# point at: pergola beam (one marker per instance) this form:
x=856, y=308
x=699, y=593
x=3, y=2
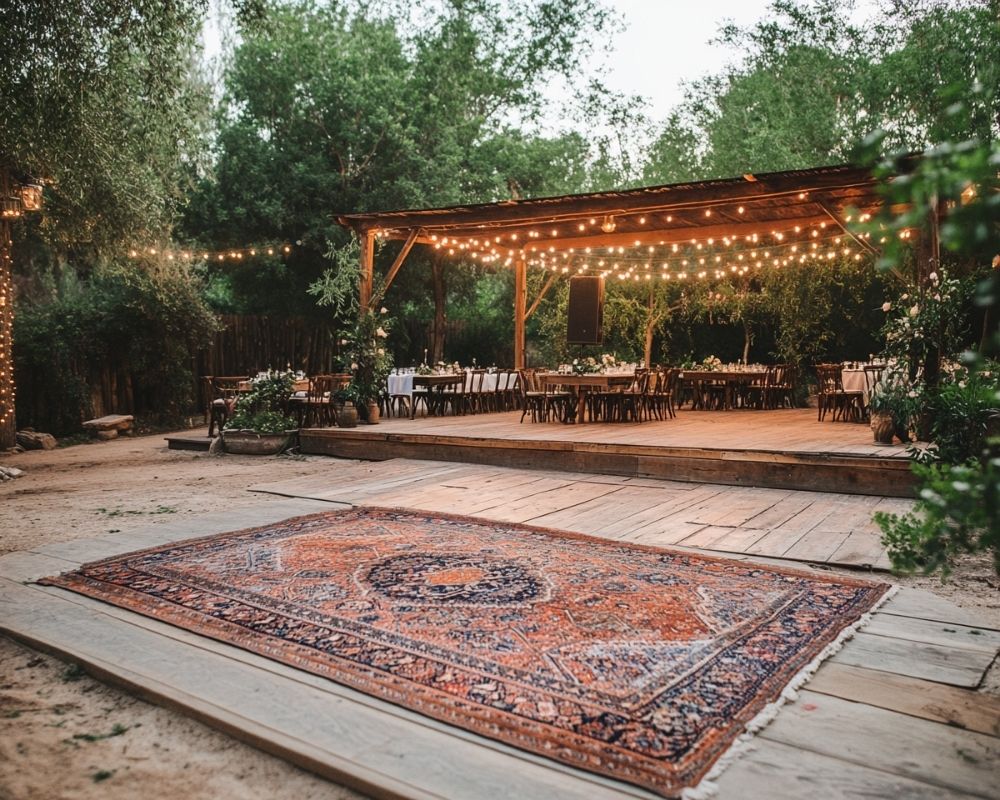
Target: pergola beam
x=541, y=295
x=397, y=264
x=842, y=224
x=666, y=198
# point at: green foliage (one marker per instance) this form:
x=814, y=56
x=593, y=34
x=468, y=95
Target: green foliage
x=961, y=411
x=137, y=323
x=370, y=360
x=262, y=409
x=957, y=512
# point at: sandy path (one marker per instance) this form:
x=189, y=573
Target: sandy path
x=55, y=724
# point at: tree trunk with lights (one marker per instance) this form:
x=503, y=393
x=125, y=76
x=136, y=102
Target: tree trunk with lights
x=7, y=422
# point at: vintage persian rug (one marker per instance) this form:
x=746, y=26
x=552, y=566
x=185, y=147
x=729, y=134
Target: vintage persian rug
x=634, y=662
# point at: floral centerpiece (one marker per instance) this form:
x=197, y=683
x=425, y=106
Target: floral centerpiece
x=585, y=366
x=370, y=361
x=711, y=363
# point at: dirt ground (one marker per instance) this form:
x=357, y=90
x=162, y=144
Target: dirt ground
x=64, y=735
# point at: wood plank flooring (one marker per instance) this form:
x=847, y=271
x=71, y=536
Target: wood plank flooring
x=793, y=430
x=815, y=527
x=868, y=725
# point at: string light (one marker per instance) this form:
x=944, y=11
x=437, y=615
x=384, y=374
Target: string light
x=194, y=255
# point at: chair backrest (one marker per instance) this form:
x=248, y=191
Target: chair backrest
x=829, y=378
x=475, y=382
x=670, y=377
x=641, y=385
x=509, y=381
x=527, y=380
x=873, y=374
x=322, y=387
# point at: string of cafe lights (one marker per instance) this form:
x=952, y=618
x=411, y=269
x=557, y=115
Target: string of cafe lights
x=704, y=257
x=7, y=393
x=198, y=254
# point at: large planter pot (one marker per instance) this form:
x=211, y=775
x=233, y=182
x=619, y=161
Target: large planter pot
x=883, y=427
x=373, y=413
x=251, y=443
x=347, y=417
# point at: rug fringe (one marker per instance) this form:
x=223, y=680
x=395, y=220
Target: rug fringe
x=707, y=788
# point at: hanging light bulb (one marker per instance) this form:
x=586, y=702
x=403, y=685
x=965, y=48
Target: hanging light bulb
x=609, y=225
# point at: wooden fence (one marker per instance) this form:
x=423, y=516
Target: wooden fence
x=247, y=344
x=243, y=346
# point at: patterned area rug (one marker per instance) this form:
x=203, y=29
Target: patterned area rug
x=637, y=663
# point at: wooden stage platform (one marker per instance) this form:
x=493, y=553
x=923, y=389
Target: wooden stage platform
x=783, y=449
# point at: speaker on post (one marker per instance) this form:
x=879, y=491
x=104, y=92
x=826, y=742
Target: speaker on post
x=585, y=318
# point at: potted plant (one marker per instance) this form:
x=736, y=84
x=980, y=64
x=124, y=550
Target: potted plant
x=891, y=407
x=370, y=361
x=259, y=424
x=345, y=401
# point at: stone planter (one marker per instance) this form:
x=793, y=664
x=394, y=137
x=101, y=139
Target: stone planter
x=251, y=443
x=883, y=427
x=347, y=417
x=373, y=413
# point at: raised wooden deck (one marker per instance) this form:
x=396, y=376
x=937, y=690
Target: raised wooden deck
x=894, y=714
x=785, y=449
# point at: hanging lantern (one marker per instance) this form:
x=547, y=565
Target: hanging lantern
x=10, y=207
x=31, y=196
x=609, y=225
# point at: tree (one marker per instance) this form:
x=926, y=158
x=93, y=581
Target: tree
x=350, y=108
x=99, y=102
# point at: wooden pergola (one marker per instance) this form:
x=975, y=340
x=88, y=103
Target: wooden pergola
x=738, y=224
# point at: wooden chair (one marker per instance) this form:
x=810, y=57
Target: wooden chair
x=317, y=410
x=634, y=400
x=781, y=385
x=662, y=393
x=830, y=394
x=532, y=400
x=222, y=393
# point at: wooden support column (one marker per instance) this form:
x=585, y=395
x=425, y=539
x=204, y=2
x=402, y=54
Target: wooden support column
x=928, y=261
x=366, y=276
x=520, y=303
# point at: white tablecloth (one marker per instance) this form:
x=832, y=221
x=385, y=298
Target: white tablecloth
x=853, y=380
x=403, y=384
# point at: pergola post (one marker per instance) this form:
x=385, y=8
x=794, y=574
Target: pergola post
x=520, y=308
x=366, y=276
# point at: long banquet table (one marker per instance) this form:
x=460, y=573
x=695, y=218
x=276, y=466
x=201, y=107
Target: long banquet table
x=581, y=383
x=730, y=378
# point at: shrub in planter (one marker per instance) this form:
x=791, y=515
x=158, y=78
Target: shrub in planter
x=263, y=407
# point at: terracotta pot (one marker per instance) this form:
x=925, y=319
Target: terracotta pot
x=883, y=426
x=347, y=417
x=251, y=443
x=373, y=413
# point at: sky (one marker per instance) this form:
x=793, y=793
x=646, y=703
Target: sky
x=662, y=45
x=666, y=43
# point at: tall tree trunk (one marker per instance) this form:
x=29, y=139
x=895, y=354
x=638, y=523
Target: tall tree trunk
x=747, y=341
x=440, y=295
x=647, y=354
x=7, y=422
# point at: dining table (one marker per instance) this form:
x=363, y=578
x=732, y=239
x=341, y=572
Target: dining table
x=732, y=381
x=582, y=383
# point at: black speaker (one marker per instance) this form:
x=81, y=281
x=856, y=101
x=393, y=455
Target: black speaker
x=585, y=320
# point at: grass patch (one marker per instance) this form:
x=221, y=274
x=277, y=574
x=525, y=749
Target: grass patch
x=102, y=775
x=117, y=730
x=73, y=672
